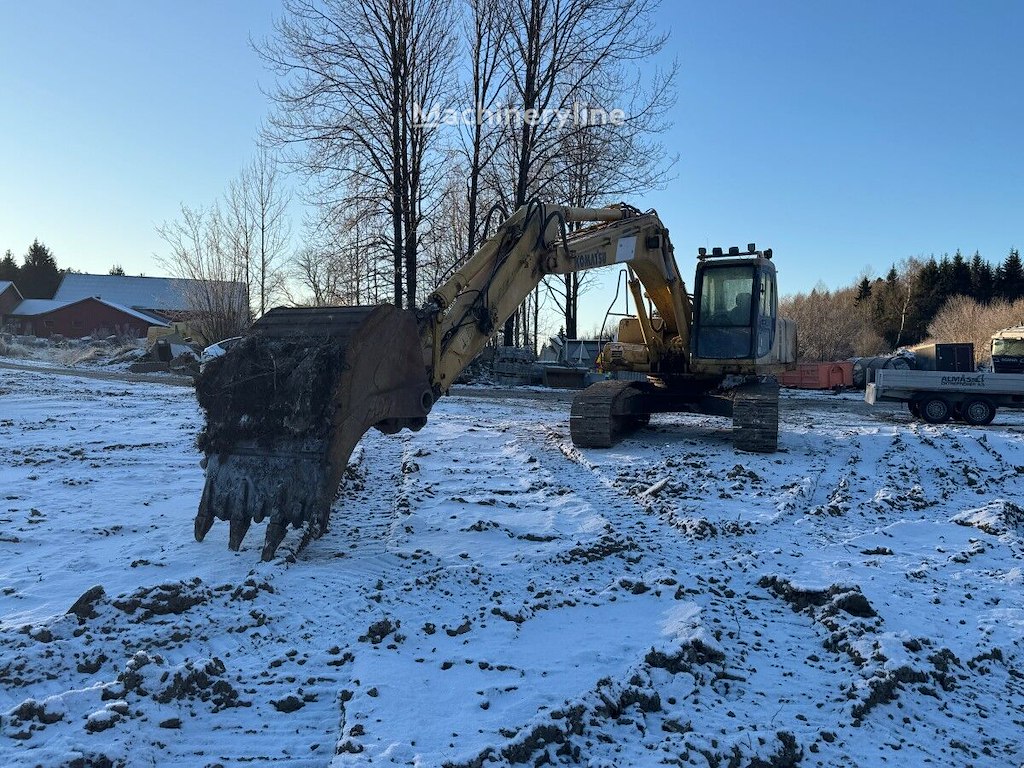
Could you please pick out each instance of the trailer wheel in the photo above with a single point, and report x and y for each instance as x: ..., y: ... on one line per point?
x: 978, y: 411
x: 935, y: 410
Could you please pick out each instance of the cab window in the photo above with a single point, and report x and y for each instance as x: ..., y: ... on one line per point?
x: 725, y: 297
x: 726, y: 312
x: 1009, y: 347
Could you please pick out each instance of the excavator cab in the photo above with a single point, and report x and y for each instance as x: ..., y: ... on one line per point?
x: 736, y: 305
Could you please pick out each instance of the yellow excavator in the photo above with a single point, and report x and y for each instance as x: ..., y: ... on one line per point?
x: 286, y: 406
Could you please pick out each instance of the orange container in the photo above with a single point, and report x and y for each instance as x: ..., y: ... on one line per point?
x: 836, y: 375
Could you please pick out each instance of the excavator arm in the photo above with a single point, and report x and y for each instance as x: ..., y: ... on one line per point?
x: 461, y: 315
x: 286, y: 407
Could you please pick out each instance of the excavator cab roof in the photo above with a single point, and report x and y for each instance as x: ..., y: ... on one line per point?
x: 733, y: 251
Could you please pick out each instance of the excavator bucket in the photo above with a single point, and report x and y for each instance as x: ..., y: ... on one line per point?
x: 287, y: 405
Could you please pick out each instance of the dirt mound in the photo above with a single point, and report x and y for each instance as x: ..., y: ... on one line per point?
x: 998, y: 518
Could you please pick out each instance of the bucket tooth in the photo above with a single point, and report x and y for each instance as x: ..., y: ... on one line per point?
x: 297, y: 515
x: 272, y: 540
x: 287, y: 405
x: 239, y: 526
x: 204, y: 522
x: 260, y: 512
x: 241, y: 519
x: 204, y: 518
x: 291, y: 515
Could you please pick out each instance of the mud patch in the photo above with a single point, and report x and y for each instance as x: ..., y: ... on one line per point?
x: 85, y: 606
x: 269, y: 389
x: 606, y: 546
x: 163, y: 600
x: 199, y: 680
x: 835, y: 597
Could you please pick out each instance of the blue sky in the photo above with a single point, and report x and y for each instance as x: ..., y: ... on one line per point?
x: 116, y: 112
x: 845, y: 136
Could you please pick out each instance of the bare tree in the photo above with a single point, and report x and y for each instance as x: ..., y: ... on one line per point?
x: 894, y: 301
x: 256, y: 217
x: 561, y: 55
x: 356, y: 78
x: 486, y: 27
x: 832, y: 325
x: 237, y: 226
x: 963, y: 319
x: 267, y: 205
x: 351, y: 74
x: 201, y: 250
x: 339, y: 263
x: 317, y: 275
x: 446, y: 242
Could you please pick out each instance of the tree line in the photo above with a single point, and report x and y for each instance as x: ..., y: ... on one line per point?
x: 946, y: 299
x: 37, y: 276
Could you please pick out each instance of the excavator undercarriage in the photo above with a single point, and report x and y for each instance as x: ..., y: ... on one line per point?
x: 286, y: 406
x: 605, y: 412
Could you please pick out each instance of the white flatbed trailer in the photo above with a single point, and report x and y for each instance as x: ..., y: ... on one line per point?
x: 938, y: 396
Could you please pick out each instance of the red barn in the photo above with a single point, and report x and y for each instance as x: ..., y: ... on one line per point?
x: 104, y: 305
x: 73, y: 319
x: 10, y: 297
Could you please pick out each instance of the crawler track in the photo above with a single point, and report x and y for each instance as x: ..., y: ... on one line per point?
x: 755, y: 418
x: 599, y: 415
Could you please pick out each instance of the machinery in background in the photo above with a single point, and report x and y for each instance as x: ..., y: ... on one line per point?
x: 1008, y: 350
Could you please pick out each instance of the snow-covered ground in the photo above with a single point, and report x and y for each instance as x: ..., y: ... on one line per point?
x: 490, y: 595
x: 109, y: 354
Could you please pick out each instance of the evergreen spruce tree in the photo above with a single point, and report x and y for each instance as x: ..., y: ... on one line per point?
x: 863, y: 290
x: 959, y: 275
x: 38, y: 276
x: 944, y: 286
x: 982, y: 279
x: 929, y: 295
x: 887, y: 308
x: 1010, y: 277
x: 8, y: 267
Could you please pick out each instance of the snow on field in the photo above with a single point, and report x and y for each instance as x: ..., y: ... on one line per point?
x: 110, y: 354
x: 490, y: 595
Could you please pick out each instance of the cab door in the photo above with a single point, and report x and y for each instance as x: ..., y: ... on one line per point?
x: 726, y: 306
x: 767, y: 311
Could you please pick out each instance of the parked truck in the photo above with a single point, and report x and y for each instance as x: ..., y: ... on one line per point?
x: 1008, y: 350
x: 938, y: 396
